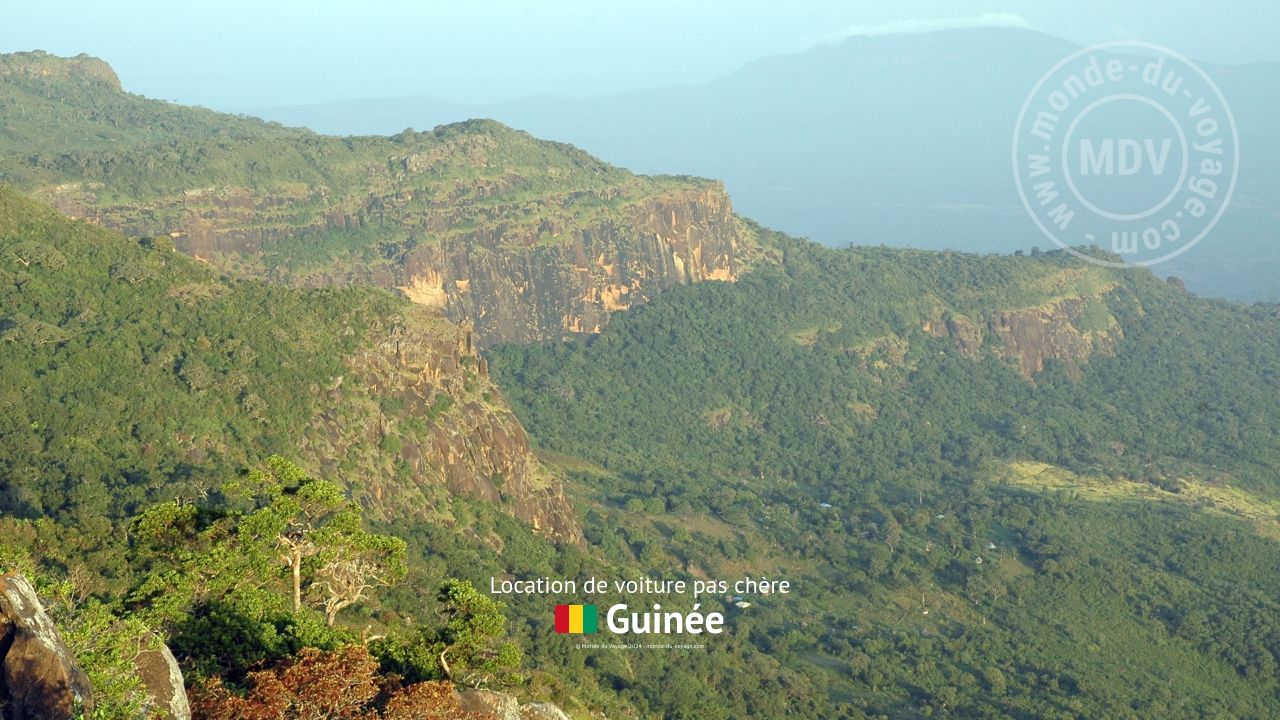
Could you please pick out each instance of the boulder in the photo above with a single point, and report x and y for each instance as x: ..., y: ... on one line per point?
x: 158, y: 670
x: 41, y: 680
x: 541, y: 711
x: 490, y: 705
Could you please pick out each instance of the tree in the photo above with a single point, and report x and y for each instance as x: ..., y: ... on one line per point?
x: 354, y: 562
x: 471, y: 643
x: 305, y: 505
x: 312, y: 520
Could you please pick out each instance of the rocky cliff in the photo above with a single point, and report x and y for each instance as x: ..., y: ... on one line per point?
x: 565, y: 277
x: 50, y: 69
x: 519, y: 269
x: 420, y: 405
x: 526, y: 239
x: 1069, y: 330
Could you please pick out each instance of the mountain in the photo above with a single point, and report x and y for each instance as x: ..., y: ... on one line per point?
x: 1000, y: 486
x: 896, y: 139
x: 1006, y: 486
x: 866, y: 423
x: 524, y: 239
x: 141, y: 390
x: 133, y: 374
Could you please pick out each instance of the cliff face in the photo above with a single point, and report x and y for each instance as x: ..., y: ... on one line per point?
x: 41, y: 66
x: 1069, y: 330
x: 419, y: 404
x: 519, y: 271
x: 518, y: 287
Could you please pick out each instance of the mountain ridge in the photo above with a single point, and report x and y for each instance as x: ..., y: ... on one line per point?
x: 526, y: 239
x: 895, y: 139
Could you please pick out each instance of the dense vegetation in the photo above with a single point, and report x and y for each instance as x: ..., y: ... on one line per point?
x: 967, y: 536
x: 139, y: 387
x: 1098, y: 543
x: 798, y: 424
x: 129, y: 368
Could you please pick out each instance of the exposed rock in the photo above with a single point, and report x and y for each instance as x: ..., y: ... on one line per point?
x: 1033, y: 336
x: 162, y: 678
x: 41, y: 678
x: 968, y: 336
x: 451, y: 428
x: 490, y: 705
x: 520, y: 269
x: 516, y: 289
x: 1036, y: 335
x: 43, y: 66
x: 542, y: 711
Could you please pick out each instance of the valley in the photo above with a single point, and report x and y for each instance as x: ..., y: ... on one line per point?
x: 302, y: 407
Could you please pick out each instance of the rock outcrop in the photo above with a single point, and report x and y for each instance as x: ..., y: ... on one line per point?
x: 490, y: 705
x: 162, y: 679
x: 41, y: 679
x: 513, y: 278
x: 1068, y: 330
x: 438, y: 421
x: 516, y: 287
x: 493, y: 705
x: 526, y: 239
x: 42, y: 66
x: 542, y: 711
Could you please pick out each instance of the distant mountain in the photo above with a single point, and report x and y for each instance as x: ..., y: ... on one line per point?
x: 895, y: 139
x: 525, y: 239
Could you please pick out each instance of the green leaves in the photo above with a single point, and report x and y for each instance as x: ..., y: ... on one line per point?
x: 473, y: 650
x: 470, y: 647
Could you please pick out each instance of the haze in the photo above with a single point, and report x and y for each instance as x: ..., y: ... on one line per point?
x: 243, y: 54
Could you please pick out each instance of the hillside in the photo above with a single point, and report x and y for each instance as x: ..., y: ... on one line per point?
x: 526, y: 239
x: 1009, y: 486
x: 1013, y: 486
x: 132, y: 374
x: 140, y: 389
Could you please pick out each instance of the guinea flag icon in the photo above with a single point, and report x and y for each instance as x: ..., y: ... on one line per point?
x: 576, y: 619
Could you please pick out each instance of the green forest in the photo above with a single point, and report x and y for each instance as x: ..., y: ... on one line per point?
x: 800, y: 422
x: 1006, y: 487
x: 149, y: 405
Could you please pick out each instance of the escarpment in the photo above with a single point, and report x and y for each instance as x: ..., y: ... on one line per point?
x: 563, y: 277
x: 525, y: 269
x: 526, y: 239
x: 420, y: 410
x: 41, y: 67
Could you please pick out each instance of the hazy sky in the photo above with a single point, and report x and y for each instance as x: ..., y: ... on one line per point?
x: 242, y: 54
